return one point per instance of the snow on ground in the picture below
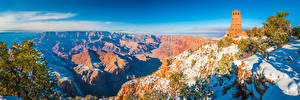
(285, 73)
(10, 98)
(201, 59)
(184, 62)
(282, 80)
(274, 93)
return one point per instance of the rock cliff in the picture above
(98, 63)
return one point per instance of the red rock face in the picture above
(83, 58)
(92, 65)
(68, 45)
(140, 87)
(174, 45)
(113, 63)
(131, 88)
(156, 46)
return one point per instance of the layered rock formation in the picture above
(65, 44)
(92, 65)
(173, 45)
(98, 63)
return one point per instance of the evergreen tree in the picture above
(296, 31)
(255, 32)
(225, 42)
(277, 28)
(24, 73)
(244, 45)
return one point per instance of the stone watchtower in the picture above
(236, 25)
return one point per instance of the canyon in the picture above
(98, 63)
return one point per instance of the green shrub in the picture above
(90, 97)
(195, 78)
(24, 73)
(277, 28)
(296, 31)
(200, 90)
(193, 63)
(175, 78)
(227, 41)
(243, 44)
(87, 97)
(225, 64)
(264, 46)
(154, 95)
(255, 32)
(280, 38)
(254, 45)
(130, 96)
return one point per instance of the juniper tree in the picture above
(296, 31)
(277, 28)
(24, 73)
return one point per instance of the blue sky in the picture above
(139, 16)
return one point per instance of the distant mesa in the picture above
(235, 29)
